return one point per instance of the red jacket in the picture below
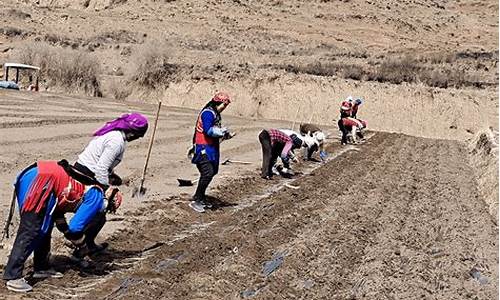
(53, 179)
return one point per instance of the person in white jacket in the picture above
(103, 153)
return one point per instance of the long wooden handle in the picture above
(150, 144)
(9, 217)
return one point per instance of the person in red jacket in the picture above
(345, 112)
(354, 127)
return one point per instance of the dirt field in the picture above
(397, 217)
(410, 214)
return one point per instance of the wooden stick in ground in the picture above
(296, 116)
(141, 188)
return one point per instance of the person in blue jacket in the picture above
(207, 137)
(45, 192)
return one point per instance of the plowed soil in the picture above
(397, 217)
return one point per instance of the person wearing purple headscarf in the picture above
(103, 153)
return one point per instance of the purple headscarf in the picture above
(134, 122)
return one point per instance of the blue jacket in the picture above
(211, 127)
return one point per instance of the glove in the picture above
(115, 179)
(115, 198)
(228, 135)
(323, 155)
(292, 156)
(286, 161)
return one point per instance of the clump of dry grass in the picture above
(433, 71)
(153, 69)
(71, 70)
(119, 90)
(10, 31)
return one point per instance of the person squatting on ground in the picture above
(103, 153)
(276, 144)
(319, 137)
(45, 191)
(208, 134)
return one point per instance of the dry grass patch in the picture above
(436, 71)
(71, 70)
(152, 67)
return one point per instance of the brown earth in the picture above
(395, 218)
(399, 217)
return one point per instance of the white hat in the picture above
(319, 135)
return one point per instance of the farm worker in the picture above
(309, 142)
(354, 127)
(45, 191)
(207, 136)
(345, 112)
(103, 153)
(276, 144)
(315, 132)
(355, 106)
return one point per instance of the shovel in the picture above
(142, 190)
(186, 182)
(228, 161)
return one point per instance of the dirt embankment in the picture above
(483, 150)
(410, 109)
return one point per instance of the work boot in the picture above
(19, 285)
(197, 206)
(96, 248)
(50, 273)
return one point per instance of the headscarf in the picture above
(221, 97)
(131, 122)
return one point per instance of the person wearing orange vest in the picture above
(45, 191)
(207, 137)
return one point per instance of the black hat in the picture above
(297, 142)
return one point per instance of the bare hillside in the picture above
(432, 60)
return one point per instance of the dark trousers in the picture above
(270, 154)
(93, 229)
(207, 170)
(29, 239)
(344, 131)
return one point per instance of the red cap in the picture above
(221, 97)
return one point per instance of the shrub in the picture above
(153, 69)
(119, 90)
(397, 70)
(12, 31)
(71, 70)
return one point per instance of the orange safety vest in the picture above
(200, 137)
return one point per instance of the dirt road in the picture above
(395, 218)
